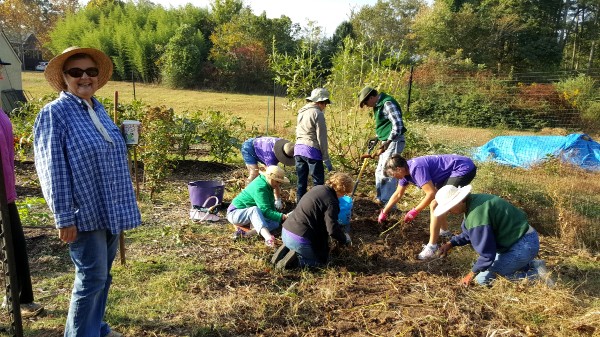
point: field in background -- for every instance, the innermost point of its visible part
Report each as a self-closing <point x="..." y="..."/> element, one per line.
<point x="252" y="108"/>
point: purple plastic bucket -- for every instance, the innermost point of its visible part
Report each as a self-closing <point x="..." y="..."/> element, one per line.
<point x="201" y="190"/>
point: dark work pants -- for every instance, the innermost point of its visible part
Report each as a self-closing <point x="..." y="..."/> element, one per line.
<point x="21" y="259"/>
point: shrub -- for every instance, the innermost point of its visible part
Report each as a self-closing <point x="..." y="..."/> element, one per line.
<point x="22" y="119"/>
<point x="155" y="143"/>
<point x="220" y="133"/>
<point x="583" y="94"/>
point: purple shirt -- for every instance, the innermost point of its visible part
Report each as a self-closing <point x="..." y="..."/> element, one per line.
<point x="307" y="151"/>
<point x="263" y="147"/>
<point x="437" y="169"/>
<point x="7" y="148"/>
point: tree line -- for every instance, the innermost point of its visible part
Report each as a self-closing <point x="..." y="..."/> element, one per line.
<point x="228" y="47"/>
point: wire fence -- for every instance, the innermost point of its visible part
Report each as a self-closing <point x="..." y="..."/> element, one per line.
<point x="554" y="175"/>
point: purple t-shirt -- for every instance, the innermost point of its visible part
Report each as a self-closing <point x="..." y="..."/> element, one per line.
<point x="307" y="151"/>
<point x="263" y="147"/>
<point x="436" y="168"/>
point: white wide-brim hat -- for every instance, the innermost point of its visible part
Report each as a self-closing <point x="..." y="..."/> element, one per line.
<point x="319" y="95"/>
<point x="449" y="196"/>
<point x="54" y="70"/>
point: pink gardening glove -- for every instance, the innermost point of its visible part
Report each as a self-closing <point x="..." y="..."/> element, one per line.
<point x="382" y="217"/>
<point x="411" y="215"/>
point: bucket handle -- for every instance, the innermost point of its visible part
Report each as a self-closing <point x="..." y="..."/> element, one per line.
<point x="207" y="212"/>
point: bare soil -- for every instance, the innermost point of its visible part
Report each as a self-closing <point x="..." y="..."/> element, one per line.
<point x="376" y="287"/>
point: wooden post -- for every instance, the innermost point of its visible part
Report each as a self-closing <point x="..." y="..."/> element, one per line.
<point x="122" y="234"/>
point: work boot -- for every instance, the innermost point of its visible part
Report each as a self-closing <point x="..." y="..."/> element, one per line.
<point x="279" y="254"/>
<point x="289" y="261"/>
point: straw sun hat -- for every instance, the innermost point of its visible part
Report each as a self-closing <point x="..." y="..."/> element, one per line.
<point x="54" y="70"/>
<point x="448" y="197"/>
<point x="275" y="173"/>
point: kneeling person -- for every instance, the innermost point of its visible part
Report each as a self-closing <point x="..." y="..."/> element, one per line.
<point x="498" y="231"/>
<point x="306" y="232"/>
<point x="255" y="205"/>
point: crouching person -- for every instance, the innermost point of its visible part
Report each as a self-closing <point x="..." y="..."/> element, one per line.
<point x="306" y="232"/>
<point x="498" y="231"/>
<point x="255" y="206"/>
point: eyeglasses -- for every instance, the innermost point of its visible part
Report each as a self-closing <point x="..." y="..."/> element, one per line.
<point x="78" y="72"/>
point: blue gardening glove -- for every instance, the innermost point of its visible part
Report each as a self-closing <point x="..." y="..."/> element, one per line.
<point x="327" y="164"/>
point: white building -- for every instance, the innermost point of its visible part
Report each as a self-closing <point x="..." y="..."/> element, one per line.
<point x="11" y="87"/>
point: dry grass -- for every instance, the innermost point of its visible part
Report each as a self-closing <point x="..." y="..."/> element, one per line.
<point x="253" y="108"/>
<point x="189" y="279"/>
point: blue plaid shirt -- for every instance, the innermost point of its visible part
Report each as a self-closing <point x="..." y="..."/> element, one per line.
<point x="84" y="178"/>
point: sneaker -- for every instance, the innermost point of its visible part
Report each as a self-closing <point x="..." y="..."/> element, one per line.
<point x="31" y="309"/>
<point x="279" y="254"/>
<point x="242" y="234"/>
<point x="289" y="261"/>
<point x="238" y="234"/>
<point x="113" y="333"/>
<point x="445" y="234"/>
<point x="543" y="274"/>
<point x="428" y="252"/>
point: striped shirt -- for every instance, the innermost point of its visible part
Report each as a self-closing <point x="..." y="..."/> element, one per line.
<point x="84" y="178"/>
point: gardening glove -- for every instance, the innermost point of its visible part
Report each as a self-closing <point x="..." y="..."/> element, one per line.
<point x="382" y="217"/>
<point x="278" y="204"/>
<point x="445" y="249"/>
<point x="366" y="156"/>
<point x="411" y="215"/>
<point x="348" y="239"/>
<point x="327" y="164"/>
<point x="465" y="281"/>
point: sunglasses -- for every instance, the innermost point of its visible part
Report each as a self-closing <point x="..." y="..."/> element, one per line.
<point x="78" y="72"/>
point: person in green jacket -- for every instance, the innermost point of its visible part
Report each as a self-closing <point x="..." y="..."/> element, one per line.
<point x="255" y="206"/>
<point x="389" y="129"/>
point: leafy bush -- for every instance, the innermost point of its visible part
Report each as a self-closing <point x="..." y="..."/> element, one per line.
<point x="181" y="62"/>
<point x="156" y="141"/>
<point x="220" y="133"/>
<point x="186" y="134"/>
<point x="22" y="119"/>
<point x="583" y="94"/>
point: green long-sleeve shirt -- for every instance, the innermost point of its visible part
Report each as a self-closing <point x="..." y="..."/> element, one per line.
<point x="258" y="193"/>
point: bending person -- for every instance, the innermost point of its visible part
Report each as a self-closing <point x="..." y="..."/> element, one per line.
<point x="428" y="173"/>
<point x="306" y="232"/>
<point x="267" y="151"/>
<point x="255" y="206"/>
<point x="498" y="231"/>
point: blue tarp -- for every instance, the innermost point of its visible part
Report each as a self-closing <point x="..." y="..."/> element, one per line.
<point x="525" y="151"/>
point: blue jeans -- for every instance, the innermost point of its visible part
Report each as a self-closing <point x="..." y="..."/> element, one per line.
<point x="251" y="215"/>
<point x="304" y="167"/>
<point x="92" y="253"/>
<point x="386" y="186"/>
<point x="515" y="263"/>
<point x="248" y="152"/>
<point x="306" y="254"/>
